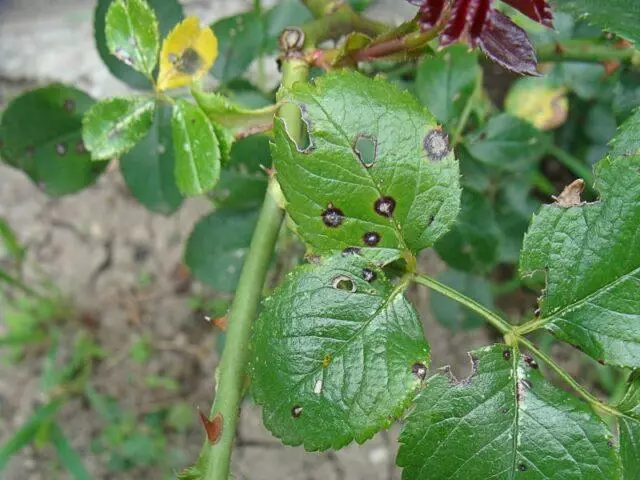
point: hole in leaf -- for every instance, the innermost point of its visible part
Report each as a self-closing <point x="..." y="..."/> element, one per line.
<point x="368" y="274"/>
<point x="365" y="148"/>
<point x="436" y="144"/>
<point x="296" y="411"/>
<point x="344" y="283"/>
<point x="332" y="217"/>
<point x="371" y="238"/>
<point x="385" y="206"/>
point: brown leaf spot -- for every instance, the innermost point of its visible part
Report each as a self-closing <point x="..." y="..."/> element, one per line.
<point x="385" y="206"/>
<point x="212" y="427"/>
<point x="570" y="196"/>
<point x="522" y="467"/>
<point x="506" y="354"/>
<point x="419" y="370"/>
<point x="332" y="217"/>
<point x="530" y="362"/>
<point x="371" y="238"/>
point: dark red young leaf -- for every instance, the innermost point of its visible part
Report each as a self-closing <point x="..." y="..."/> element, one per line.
<point x="458" y="21"/>
<point x="507" y="44"/>
<point x="538" y="10"/>
<point x="430" y="11"/>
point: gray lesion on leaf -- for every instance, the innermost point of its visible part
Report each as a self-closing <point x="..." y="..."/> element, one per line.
<point x="570" y="195"/>
<point x="436" y="144"/>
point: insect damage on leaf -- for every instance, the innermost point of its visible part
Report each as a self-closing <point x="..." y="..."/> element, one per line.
<point x="570" y="195"/>
<point x="187" y="54"/>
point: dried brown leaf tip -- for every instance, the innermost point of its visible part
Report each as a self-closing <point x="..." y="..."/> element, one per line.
<point x="570" y="196"/>
<point x="212" y="427"/>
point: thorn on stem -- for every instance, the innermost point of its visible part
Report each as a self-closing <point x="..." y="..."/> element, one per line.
<point x="212" y="427"/>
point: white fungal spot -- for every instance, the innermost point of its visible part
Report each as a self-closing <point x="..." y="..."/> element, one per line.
<point x="317" y="389"/>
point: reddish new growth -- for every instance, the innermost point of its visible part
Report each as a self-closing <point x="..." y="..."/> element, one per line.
<point x="481" y="25"/>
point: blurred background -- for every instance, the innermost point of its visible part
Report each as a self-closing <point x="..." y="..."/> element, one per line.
<point x="123" y="333"/>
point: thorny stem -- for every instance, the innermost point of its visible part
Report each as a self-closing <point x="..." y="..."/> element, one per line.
<point x="585" y="51"/>
<point x="513" y="336"/>
<point x="244" y="308"/>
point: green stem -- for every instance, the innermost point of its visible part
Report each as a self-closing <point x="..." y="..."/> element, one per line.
<point x="493" y="319"/>
<point x="244" y="308"/>
<point x="573" y="164"/>
<point x="580" y="390"/>
<point x="543" y="184"/>
<point x="466" y="113"/>
<point x="584" y="51"/>
<point x="341" y="21"/>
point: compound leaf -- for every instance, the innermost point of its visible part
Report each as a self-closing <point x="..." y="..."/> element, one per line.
<point x="337" y="354"/>
<point x="378" y="172"/>
<point x="132" y="34"/>
<point x="40" y="134"/>
<point x="113" y="126"/>
<point x="505" y="421"/>
<point x="629" y="428"/>
<point x="619" y="16"/>
<point x="148" y="169"/>
<point x="197" y="149"/>
<point x="591" y="254"/>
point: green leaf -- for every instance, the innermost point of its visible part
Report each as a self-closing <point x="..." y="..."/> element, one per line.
<point x="240" y="40"/>
<point x="245" y="93"/>
<point x="508" y="143"/>
<point x="40" y="135"/>
<point x="591" y="256"/>
<point x="217" y="247"/>
<point x="359" y="5"/>
<point x="113" y="126"/>
<point x="629" y="428"/>
<point x="168" y="12"/>
<point x="68" y="457"/>
<point x="333" y="354"/>
<point x="197" y="149"/>
<point x="473" y="243"/>
<point x="10" y="241"/>
<point x="505" y="421"/>
<point x="132" y="34"/>
<point x="148" y="169"/>
<point x="450" y="313"/>
<point x="446" y="80"/>
<point x="225" y="112"/>
<point x="366" y="180"/>
<point x="287" y="13"/>
<point x="243" y="182"/>
<point x="619" y="16"/>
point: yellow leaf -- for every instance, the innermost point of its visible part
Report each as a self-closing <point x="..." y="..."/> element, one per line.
<point x="539" y="102"/>
<point x="187" y="53"/>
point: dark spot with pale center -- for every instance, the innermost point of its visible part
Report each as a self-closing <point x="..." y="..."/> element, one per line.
<point x="522" y="467"/>
<point x="368" y="274"/>
<point x="296" y="411"/>
<point x="431" y="219"/>
<point x="61" y="148"/>
<point x="371" y="238"/>
<point x="601" y="362"/>
<point x="80" y="148"/>
<point x="365" y="148"/>
<point x="189" y="62"/>
<point x="344" y="283"/>
<point x="30" y="151"/>
<point x="332" y="217"/>
<point x="350" y="251"/>
<point x="531" y="362"/>
<point x="436" y="144"/>
<point x="506" y="354"/>
<point x="419" y="370"/>
<point x="69" y="105"/>
<point x="385" y="206"/>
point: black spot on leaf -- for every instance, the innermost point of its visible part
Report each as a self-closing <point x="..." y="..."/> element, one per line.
<point x="436" y="144"/>
<point x="431" y="219"/>
<point x="385" y="206"/>
<point x="368" y="274"/>
<point x="531" y="362"/>
<point x="332" y="217"/>
<point x="522" y="467"/>
<point x="296" y="411"/>
<point x="350" y="251"/>
<point x="371" y="238"/>
<point x="189" y="62"/>
<point x="419" y="370"/>
<point x="506" y="354"/>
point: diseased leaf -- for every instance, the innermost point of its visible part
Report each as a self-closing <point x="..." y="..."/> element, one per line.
<point x="505" y="421"/>
<point x="629" y="428"/>
<point x="450" y="313"/>
<point x="227" y="113"/>
<point x="240" y="38"/>
<point x="113" y="126"/>
<point x="168" y="13"/>
<point x="473" y="243"/>
<point x="132" y="34"/>
<point x="187" y="54"/>
<point x="508" y="143"/>
<point x="337" y="354"/>
<point x="148" y="169"/>
<point x="445" y="81"/>
<point x="197" y="149"/>
<point x="591" y="256"/>
<point x="379" y="171"/>
<point x="40" y="134"/>
<point x="538" y="102"/>
<point x="619" y="16"/>
<point x="217" y="246"/>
